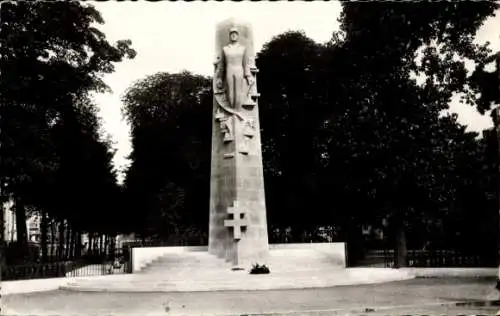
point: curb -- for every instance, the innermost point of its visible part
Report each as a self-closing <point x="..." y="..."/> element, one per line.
<point x="339" y="311"/>
<point x="367" y="310"/>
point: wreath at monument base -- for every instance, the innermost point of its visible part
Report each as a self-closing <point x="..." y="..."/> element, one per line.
<point x="259" y="269"/>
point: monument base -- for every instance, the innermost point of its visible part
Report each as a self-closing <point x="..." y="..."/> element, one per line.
<point x="292" y="266"/>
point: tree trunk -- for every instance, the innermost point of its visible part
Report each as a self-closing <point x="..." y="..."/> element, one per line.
<point x="90" y="245"/>
<point x="21" y="229"/>
<point x="2" y="232"/>
<point x="44" y="232"/>
<point x="112" y="246"/>
<point x="106" y="244"/>
<point x="2" y="220"/>
<point x="72" y="245"/>
<point x="61" y="240"/>
<point x="68" y="242"/>
<point x="101" y="250"/>
<point x="96" y="243"/>
<point x="53" y="240"/>
<point x="78" y="244"/>
<point x="401" y="250"/>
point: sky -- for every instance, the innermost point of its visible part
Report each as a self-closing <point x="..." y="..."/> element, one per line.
<point x="176" y="36"/>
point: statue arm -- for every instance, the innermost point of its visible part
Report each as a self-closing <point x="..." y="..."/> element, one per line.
<point x="218" y="63"/>
<point x="246" y="65"/>
<point x="219" y="70"/>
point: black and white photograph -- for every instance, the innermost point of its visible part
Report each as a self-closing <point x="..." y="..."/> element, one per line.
<point x="237" y="158"/>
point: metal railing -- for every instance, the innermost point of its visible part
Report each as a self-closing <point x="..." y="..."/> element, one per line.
<point x="95" y="264"/>
<point x="431" y="258"/>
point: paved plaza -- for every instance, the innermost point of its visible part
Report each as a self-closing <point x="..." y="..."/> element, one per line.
<point x="452" y="296"/>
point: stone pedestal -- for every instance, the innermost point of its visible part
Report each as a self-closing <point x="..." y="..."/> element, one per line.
<point x="238" y="224"/>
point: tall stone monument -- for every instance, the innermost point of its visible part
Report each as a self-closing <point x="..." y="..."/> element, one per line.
<point x="238" y="224"/>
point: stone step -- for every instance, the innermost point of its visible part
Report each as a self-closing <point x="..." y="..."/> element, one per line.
<point x="279" y="260"/>
<point x="185" y="261"/>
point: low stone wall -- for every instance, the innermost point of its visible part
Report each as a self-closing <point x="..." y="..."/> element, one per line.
<point x="314" y="256"/>
<point x="142" y="256"/>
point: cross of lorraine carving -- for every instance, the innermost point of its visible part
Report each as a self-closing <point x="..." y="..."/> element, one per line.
<point x="237" y="222"/>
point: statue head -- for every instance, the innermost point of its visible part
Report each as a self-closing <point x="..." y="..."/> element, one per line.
<point x="234" y="35"/>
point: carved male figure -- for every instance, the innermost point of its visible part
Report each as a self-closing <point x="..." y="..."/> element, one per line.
<point x="237" y="71"/>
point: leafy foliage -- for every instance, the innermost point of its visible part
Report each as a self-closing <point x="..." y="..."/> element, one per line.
<point x="292" y="82"/>
<point x="401" y="126"/>
<point x="486" y="84"/>
<point x="53" y="159"/>
<point x="169" y="175"/>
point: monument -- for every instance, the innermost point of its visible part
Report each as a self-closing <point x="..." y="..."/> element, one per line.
<point x="238" y="224"/>
<point x="238" y="234"/>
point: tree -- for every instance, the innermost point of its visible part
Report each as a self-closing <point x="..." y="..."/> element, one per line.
<point x="171" y="140"/>
<point x="52" y="58"/>
<point x="476" y="198"/>
<point x="292" y="82"/>
<point x="395" y="120"/>
<point x="487" y="84"/>
<point x="86" y="179"/>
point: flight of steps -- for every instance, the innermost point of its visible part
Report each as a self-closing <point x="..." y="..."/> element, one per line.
<point x="186" y="261"/>
<point x="279" y="260"/>
<point x="189" y="271"/>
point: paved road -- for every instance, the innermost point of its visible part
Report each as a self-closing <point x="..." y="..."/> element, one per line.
<point x="415" y="297"/>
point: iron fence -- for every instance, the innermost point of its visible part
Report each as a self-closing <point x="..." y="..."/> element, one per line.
<point x="431" y="258"/>
<point x="91" y="264"/>
<point x="34" y="271"/>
